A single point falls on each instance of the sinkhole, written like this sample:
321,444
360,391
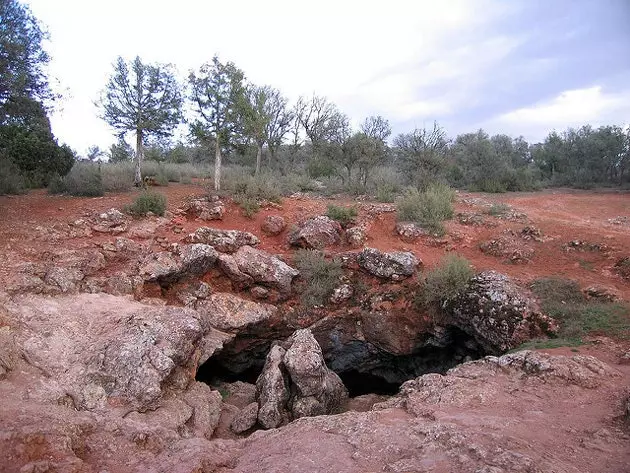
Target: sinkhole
363,367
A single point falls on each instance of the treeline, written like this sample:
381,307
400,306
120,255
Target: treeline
230,120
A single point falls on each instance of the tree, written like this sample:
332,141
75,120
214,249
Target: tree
22,57
376,127
94,153
219,97
280,121
120,152
322,121
422,154
142,98
364,152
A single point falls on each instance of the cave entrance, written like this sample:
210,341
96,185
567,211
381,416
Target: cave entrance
358,384
215,371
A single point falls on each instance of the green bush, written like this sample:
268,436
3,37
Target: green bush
148,202
498,209
429,208
56,185
249,205
11,180
264,187
321,276
446,280
84,180
117,177
344,215
321,167
577,316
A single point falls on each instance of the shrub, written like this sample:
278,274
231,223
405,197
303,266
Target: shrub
117,177
249,205
429,208
577,316
56,185
446,280
148,202
84,179
498,210
264,187
321,276
344,215
11,180
321,167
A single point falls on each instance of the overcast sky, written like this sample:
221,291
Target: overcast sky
522,67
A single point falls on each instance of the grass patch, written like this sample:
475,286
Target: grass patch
321,276
344,215
547,343
249,205
577,316
498,210
148,202
445,281
428,208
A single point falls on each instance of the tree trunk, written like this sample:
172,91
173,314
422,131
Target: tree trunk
258,159
137,180
217,166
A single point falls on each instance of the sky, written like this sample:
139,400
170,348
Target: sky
520,67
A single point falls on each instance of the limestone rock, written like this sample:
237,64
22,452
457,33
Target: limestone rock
225,241
341,294
265,268
409,231
273,225
395,265
356,236
229,267
316,233
245,419
204,209
190,260
498,313
230,313
272,390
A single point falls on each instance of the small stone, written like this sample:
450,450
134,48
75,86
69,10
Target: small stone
341,294
259,292
245,419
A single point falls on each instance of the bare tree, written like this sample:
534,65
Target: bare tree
376,127
322,121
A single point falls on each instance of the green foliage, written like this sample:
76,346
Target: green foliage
262,187
148,202
498,209
321,167
344,215
446,280
56,185
83,180
117,177
321,276
577,316
428,208
248,204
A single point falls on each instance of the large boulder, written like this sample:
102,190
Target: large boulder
265,268
317,232
225,241
497,313
204,209
230,313
273,225
295,382
168,267
395,265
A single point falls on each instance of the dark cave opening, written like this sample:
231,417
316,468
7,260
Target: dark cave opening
358,384
215,371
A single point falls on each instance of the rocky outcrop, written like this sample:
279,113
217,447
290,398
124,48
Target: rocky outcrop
409,231
113,221
356,236
296,383
497,313
168,267
273,225
395,265
225,241
265,268
204,209
316,233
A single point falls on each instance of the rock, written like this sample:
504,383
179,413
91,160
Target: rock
265,269
272,390
356,236
342,294
64,279
509,247
497,313
295,382
409,232
228,265
230,313
166,268
395,265
604,293
318,390
112,221
9,351
245,419
204,209
206,405
531,233
259,292
316,233
622,267
273,225
225,241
